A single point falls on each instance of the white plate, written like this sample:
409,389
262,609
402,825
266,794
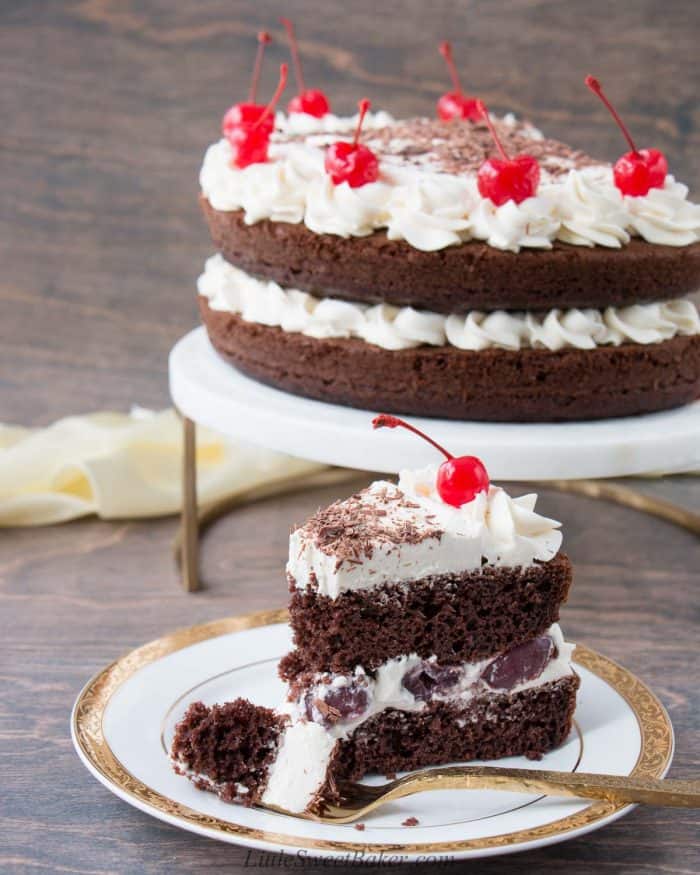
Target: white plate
124,718
211,392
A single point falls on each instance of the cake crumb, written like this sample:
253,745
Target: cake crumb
411,821
360,827
390,776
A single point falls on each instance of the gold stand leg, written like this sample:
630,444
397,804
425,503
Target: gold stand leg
190,522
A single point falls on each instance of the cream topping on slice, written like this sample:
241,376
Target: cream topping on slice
389,534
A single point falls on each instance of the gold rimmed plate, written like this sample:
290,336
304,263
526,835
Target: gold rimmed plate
124,718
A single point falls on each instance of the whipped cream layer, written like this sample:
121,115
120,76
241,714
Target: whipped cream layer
431,201
298,772
229,289
296,775
386,687
391,534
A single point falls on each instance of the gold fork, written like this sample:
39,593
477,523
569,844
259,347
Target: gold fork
357,800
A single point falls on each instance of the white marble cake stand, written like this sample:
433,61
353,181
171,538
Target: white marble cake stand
208,391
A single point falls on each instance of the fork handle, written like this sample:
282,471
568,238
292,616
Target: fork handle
612,788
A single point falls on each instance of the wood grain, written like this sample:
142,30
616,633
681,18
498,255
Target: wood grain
106,108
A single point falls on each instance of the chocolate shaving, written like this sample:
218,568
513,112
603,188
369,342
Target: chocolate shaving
459,147
328,712
350,530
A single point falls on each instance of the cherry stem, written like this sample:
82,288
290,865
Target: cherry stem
385,420
363,106
597,88
446,52
481,106
294,50
275,97
264,39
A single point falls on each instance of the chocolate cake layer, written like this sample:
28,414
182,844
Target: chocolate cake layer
529,385
228,749
528,723
455,617
473,276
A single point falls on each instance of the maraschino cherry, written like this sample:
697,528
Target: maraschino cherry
504,179
352,162
455,104
249,113
250,140
311,101
639,170
460,479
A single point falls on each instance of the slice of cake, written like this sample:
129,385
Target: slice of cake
408,714
425,627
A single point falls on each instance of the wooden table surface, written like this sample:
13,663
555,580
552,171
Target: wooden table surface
106,110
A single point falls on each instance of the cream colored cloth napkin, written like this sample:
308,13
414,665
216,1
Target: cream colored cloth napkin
122,466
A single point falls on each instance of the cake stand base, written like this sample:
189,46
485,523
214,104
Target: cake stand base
208,391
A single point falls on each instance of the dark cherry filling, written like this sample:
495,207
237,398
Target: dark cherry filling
429,679
523,663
